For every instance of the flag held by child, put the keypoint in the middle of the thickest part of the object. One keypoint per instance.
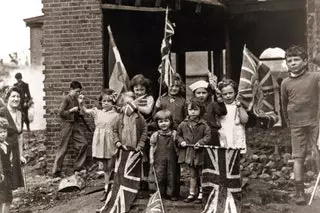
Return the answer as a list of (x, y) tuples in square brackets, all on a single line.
[(221, 180), (154, 204), (257, 89), (165, 68), (119, 79), (126, 183)]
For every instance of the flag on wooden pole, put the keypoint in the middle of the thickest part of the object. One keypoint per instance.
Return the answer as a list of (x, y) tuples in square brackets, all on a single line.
[(257, 90), (165, 68), (119, 79), (155, 204)]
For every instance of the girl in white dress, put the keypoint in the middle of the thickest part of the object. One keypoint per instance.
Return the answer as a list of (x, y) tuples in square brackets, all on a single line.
[(103, 147), (232, 132)]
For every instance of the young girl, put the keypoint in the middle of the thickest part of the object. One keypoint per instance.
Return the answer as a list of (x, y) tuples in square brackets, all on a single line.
[(164, 155), (141, 87), (6, 180), (174, 101), (232, 132), (193, 132), (103, 147), (203, 91)]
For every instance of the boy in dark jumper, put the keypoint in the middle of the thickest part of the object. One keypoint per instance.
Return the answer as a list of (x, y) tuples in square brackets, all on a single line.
[(300, 103)]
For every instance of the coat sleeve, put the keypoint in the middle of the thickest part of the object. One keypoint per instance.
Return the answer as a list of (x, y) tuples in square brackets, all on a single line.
[(180, 138), (284, 103), (28, 92), (144, 133), (206, 136), (63, 109), (115, 130)]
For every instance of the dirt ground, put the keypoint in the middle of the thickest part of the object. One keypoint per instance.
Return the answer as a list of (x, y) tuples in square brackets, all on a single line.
[(41, 193)]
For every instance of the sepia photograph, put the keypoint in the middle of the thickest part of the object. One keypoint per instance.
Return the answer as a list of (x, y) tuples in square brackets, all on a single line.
[(157, 106)]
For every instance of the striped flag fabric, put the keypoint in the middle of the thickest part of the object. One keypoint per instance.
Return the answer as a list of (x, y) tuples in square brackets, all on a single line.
[(119, 79), (221, 180), (257, 90), (126, 183), (154, 204), (165, 68)]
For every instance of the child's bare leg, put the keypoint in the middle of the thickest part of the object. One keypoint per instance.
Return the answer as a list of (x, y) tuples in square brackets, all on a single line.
[(193, 183), (107, 167)]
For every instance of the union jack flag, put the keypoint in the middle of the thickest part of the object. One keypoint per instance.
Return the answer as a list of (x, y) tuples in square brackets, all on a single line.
[(126, 183), (165, 68), (257, 90), (155, 204), (221, 180)]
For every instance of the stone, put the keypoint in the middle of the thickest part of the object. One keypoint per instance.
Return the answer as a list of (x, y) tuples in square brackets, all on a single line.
[(270, 164), (72, 183), (255, 157)]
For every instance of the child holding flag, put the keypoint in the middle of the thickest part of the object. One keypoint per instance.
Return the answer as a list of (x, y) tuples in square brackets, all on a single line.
[(192, 133), (164, 155)]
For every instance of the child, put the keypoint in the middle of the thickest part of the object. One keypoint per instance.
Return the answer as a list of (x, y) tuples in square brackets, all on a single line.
[(103, 147), (174, 101), (232, 132), (300, 101), (193, 131), (130, 129), (164, 155), (5, 169), (71, 130), (141, 87), (202, 90)]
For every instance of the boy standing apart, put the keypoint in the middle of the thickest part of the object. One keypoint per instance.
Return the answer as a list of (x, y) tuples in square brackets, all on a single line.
[(71, 130), (300, 103)]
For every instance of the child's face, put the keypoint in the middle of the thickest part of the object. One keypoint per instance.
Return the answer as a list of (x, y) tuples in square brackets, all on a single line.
[(295, 64), (75, 92), (228, 94), (106, 103), (193, 112), (164, 124), (139, 90), (3, 135), (201, 93), (175, 88)]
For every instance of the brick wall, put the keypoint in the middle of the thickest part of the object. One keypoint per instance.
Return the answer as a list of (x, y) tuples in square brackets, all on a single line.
[(313, 29), (72, 42)]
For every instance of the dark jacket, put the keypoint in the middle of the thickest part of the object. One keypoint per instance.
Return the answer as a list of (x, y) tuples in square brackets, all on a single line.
[(200, 133), (68, 103), (24, 92), (141, 128)]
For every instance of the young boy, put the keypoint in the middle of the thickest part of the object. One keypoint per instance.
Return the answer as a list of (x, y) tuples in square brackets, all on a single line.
[(300, 102), (5, 169), (70, 130)]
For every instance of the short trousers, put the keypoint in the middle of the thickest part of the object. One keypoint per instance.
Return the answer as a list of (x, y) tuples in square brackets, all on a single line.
[(301, 137)]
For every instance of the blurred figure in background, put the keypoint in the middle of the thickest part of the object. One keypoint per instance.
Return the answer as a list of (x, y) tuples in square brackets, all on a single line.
[(26, 100)]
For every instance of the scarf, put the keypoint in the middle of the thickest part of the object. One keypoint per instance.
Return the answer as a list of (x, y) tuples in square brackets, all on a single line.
[(4, 147)]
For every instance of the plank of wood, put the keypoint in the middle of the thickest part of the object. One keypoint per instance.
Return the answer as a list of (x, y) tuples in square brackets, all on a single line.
[(132, 8)]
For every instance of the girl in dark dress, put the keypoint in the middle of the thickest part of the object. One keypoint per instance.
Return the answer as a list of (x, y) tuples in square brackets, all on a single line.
[(14, 136)]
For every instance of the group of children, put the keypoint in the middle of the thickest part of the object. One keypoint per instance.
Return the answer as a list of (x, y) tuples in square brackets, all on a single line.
[(168, 132)]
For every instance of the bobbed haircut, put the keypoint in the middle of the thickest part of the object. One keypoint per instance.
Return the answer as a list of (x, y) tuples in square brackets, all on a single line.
[(75, 85), (4, 124), (195, 103), (143, 81), (164, 114), (108, 92), (228, 82), (296, 51)]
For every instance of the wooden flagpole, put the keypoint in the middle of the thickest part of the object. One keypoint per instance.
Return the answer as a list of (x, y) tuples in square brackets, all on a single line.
[(156, 180), (314, 190), (165, 34)]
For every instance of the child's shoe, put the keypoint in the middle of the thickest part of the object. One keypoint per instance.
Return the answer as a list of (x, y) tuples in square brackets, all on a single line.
[(190, 198), (199, 199), (300, 198)]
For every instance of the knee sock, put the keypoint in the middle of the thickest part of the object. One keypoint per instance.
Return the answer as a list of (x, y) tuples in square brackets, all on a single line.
[(106, 180), (193, 183)]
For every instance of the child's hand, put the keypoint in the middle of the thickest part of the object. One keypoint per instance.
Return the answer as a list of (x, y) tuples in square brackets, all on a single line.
[(196, 146), (183, 144), (74, 109), (23, 160), (138, 149), (80, 99), (118, 145), (238, 103), (213, 80)]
